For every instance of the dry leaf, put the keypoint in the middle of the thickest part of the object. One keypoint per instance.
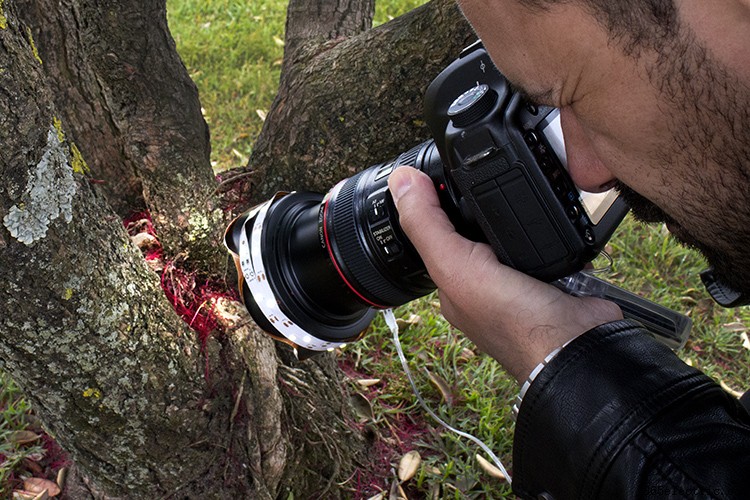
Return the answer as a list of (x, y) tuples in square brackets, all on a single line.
[(735, 327), (145, 241), (23, 495), (413, 320), (443, 387), (490, 468), (362, 406), (379, 496), (62, 477), (278, 41), (24, 437), (368, 382), (409, 465), (397, 493), (731, 391), (38, 485), (745, 341), (466, 354), (261, 114)]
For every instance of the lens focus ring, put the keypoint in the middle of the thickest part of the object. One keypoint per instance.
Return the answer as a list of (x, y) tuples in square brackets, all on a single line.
[(355, 260)]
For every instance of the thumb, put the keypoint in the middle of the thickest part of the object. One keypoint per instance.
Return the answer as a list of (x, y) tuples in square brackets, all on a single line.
[(425, 222)]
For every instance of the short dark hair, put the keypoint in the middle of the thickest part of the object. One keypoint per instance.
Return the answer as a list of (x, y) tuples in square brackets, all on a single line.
[(634, 24)]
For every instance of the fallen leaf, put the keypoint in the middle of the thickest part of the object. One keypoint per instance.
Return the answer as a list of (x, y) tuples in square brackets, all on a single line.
[(413, 320), (490, 468), (62, 477), (145, 241), (443, 387), (39, 485), (735, 327), (261, 114), (368, 382), (23, 495), (379, 496), (278, 41), (24, 437), (33, 467), (466, 354), (362, 406), (409, 465), (745, 341), (397, 493), (731, 391)]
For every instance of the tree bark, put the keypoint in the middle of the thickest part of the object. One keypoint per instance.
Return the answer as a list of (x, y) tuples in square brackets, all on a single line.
[(347, 103), (91, 92)]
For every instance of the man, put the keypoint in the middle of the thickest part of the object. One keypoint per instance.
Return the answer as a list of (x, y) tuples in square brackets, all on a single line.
[(655, 100)]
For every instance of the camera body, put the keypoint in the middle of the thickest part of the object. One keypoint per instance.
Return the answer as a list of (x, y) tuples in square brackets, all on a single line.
[(508, 174)]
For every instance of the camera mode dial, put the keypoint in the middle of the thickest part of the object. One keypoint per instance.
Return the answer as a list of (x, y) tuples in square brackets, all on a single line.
[(472, 105)]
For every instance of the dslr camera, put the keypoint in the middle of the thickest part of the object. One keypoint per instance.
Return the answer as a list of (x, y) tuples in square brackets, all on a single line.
[(314, 269)]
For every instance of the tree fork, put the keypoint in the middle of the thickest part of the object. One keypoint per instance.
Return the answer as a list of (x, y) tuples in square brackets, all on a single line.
[(130, 106)]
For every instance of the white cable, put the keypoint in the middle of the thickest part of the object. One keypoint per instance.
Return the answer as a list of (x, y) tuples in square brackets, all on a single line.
[(390, 320)]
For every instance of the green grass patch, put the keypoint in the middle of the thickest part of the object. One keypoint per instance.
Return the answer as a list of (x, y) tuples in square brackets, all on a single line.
[(17, 442)]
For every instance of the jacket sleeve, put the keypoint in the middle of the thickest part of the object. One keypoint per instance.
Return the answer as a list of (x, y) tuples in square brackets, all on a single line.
[(616, 414)]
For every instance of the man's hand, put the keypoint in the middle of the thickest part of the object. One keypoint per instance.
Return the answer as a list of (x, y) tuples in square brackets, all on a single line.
[(516, 319)]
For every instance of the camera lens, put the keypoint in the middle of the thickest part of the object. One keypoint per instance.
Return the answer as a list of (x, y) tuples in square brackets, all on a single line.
[(316, 268)]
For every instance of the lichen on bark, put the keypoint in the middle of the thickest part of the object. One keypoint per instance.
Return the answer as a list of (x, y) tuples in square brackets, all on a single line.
[(49, 194)]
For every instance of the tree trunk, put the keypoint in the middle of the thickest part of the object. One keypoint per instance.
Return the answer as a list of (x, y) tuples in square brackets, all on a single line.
[(86, 330), (94, 92)]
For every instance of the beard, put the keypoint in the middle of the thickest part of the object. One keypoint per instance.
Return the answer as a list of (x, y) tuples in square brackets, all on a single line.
[(708, 106), (729, 262)]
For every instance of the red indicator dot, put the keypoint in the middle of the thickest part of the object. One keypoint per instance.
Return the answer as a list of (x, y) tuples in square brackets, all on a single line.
[(442, 187)]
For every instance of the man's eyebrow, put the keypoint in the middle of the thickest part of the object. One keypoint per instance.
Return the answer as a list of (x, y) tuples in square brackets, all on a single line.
[(544, 97)]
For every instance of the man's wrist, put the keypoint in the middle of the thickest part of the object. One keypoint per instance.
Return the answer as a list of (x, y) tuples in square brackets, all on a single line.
[(533, 375)]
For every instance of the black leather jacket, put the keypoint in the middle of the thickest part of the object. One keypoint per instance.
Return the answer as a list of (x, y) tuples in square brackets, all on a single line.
[(618, 415)]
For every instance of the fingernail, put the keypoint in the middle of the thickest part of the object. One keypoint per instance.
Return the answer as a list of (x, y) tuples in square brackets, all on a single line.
[(399, 183)]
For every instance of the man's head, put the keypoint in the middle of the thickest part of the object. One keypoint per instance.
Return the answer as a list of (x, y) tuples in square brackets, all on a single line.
[(654, 98)]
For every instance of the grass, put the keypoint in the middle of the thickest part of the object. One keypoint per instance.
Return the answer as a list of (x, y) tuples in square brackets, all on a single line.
[(16, 449)]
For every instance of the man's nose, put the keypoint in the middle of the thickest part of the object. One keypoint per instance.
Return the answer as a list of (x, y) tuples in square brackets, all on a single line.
[(585, 167)]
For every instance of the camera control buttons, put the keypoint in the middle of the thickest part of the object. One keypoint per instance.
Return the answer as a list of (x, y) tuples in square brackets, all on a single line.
[(573, 212), (588, 235), (531, 138)]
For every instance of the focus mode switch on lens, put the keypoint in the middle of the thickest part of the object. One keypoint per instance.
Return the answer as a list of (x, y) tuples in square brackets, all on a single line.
[(376, 211)]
